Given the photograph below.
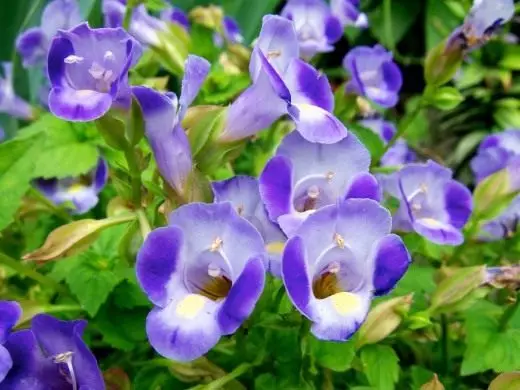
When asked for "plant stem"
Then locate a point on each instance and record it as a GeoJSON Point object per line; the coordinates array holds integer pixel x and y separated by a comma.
{"type": "Point", "coordinates": [387, 11]}
{"type": "Point", "coordinates": [221, 382]}
{"type": "Point", "coordinates": [31, 273]}
{"type": "Point", "coordinates": [143, 223]}
{"type": "Point", "coordinates": [128, 14]}
{"type": "Point", "coordinates": [135, 175]}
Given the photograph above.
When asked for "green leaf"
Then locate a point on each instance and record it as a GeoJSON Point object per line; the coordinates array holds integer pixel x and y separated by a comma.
{"type": "Point", "coordinates": [157, 378]}
{"type": "Point", "coordinates": [381, 366]}
{"type": "Point", "coordinates": [371, 140]}
{"type": "Point", "coordinates": [335, 356]}
{"type": "Point", "coordinates": [441, 20]}
{"type": "Point", "coordinates": [511, 58]}
{"type": "Point", "coordinates": [17, 164]}
{"type": "Point", "coordinates": [128, 295]}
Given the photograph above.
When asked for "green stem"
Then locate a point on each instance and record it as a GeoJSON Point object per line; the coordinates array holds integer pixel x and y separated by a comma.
{"type": "Point", "coordinates": [445, 343]}
{"type": "Point", "coordinates": [401, 131]}
{"type": "Point", "coordinates": [143, 223]}
{"type": "Point", "coordinates": [387, 11]}
{"type": "Point", "coordinates": [62, 308]}
{"type": "Point", "coordinates": [128, 14]}
{"type": "Point", "coordinates": [508, 314]}
{"type": "Point", "coordinates": [222, 381]}
{"type": "Point", "coordinates": [135, 175]}
{"type": "Point", "coordinates": [22, 269]}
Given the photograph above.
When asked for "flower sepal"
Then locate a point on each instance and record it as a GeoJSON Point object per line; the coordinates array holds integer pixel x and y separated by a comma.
{"type": "Point", "coordinates": [442, 63]}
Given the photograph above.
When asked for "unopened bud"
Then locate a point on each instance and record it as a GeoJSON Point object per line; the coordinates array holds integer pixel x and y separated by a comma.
{"type": "Point", "coordinates": [434, 384]}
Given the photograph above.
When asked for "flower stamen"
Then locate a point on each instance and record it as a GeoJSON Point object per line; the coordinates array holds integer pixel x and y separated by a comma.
{"type": "Point", "coordinates": [66, 358]}
{"type": "Point", "coordinates": [216, 245]}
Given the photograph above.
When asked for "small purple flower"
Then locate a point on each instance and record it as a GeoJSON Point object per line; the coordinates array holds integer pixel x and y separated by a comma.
{"type": "Point", "coordinates": [347, 11]}
{"type": "Point", "coordinates": [283, 84]}
{"type": "Point", "coordinates": [495, 153]}
{"type": "Point", "coordinates": [243, 193]}
{"type": "Point", "coordinates": [303, 177]}
{"type": "Point", "coordinates": [340, 258]}
{"type": "Point", "coordinates": [88, 70]}
{"type": "Point", "coordinates": [431, 203]}
{"type": "Point", "coordinates": [204, 272]}
{"type": "Point", "coordinates": [374, 75]}
{"type": "Point", "coordinates": [9, 102]}
{"type": "Point", "coordinates": [505, 225]}
{"type": "Point", "coordinates": [176, 16]}
{"type": "Point", "coordinates": [483, 20]}
{"type": "Point", "coordinates": [52, 355]}
{"type": "Point", "coordinates": [82, 192]}
{"type": "Point", "coordinates": [10, 313]}
{"type": "Point", "coordinates": [317, 28]}
{"type": "Point", "coordinates": [33, 44]}
{"type": "Point", "coordinates": [143, 27]}
{"type": "Point", "coordinates": [163, 115]}
{"type": "Point", "coordinates": [399, 154]}
{"type": "Point", "coordinates": [230, 32]}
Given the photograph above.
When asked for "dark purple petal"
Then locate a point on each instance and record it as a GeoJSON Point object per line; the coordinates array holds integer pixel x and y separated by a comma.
{"type": "Point", "coordinates": [10, 313]}
{"type": "Point", "coordinates": [242, 297]}
{"type": "Point", "coordinates": [307, 85]}
{"type": "Point", "coordinates": [391, 263]}
{"type": "Point", "coordinates": [100, 175]}
{"type": "Point", "coordinates": [438, 232]}
{"type": "Point", "coordinates": [295, 275]}
{"type": "Point", "coordinates": [364, 186]}
{"type": "Point", "coordinates": [157, 260]}
{"type": "Point", "coordinates": [32, 46]}
{"type": "Point", "coordinates": [232, 30]}
{"type": "Point", "coordinates": [176, 15]}
{"type": "Point", "coordinates": [333, 29]}
{"type": "Point", "coordinates": [459, 203]}
{"type": "Point", "coordinates": [60, 49]}
{"type": "Point", "coordinates": [275, 187]}
{"type": "Point", "coordinates": [56, 337]}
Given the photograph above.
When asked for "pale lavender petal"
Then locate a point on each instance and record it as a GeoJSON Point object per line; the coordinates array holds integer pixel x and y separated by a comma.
{"type": "Point", "coordinates": [5, 362]}
{"type": "Point", "coordinates": [438, 232]}
{"type": "Point", "coordinates": [196, 70]}
{"type": "Point", "coordinates": [78, 105]}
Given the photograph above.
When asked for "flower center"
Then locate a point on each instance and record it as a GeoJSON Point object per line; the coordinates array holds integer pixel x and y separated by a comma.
{"type": "Point", "coordinates": [326, 284]}
{"type": "Point", "coordinates": [66, 358]}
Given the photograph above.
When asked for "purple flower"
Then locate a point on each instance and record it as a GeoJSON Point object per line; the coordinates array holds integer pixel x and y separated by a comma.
{"type": "Point", "coordinates": [10, 313]}
{"type": "Point", "coordinates": [347, 11]}
{"type": "Point", "coordinates": [143, 27]}
{"type": "Point", "coordinates": [505, 225]}
{"type": "Point", "coordinates": [303, 177]}
{"type": "Point", "coordinates": [495, 153]}
{"type": "Point", "coordinates": [431, 203]}
{"type": "Point", "coordinates": [340, 258]}
{"type": "Point", "coordinates": [88, 70]}
{"type": "Point", "coordinates": [163, 115]}
{"type": "Point", "coordinates": [243, 193]}
{"type": "Point", "coordinates": [399, 154]}
{"type": "Point", "coordinates": [374, 75]}
{"type": "Point", "coordinates": [9, 102]}
{"type": "Point", "coordinates": [230, 32]}
{"type": "Point", "coordinates": [204, 272]}
{"type": "Point", "coordinates": [82, 192]}
{"type": "Point", "coordinates": [33, 44]}
{"type": "Point", "coordinates": [283, 84]}
{"type": "Point", "coordinates": [51, 355]}
{"type": "Point", "coordinates": [176, 16]}
{"type": "Point", "coordinates": [483, 20]}
{"type": "Point", "coordinates": [317, 28]}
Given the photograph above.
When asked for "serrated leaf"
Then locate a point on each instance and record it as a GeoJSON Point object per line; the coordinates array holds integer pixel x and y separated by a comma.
{"type": "Point", "coordinates": [336, 356]}
{"type": "Point", "coordinates": [381, 366]}
{"type": "Point", "coordinates": [17, 164]}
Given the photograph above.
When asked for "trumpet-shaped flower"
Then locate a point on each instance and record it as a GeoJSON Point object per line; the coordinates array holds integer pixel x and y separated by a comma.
{"type": "Point", "coordinates": [81, 192]}
{"type": "Point", "coordinates": [317, 28]}
{"type": "Point", "coordinates": [374, 75]}
{"type": "Point", "coordinates": [204, 273]}
{"type": "Point", "coordinates": [303, 177]}
{"type": "Point", "coordinates": [163, 115]}
{"type": "Point", "coordinates": [10, 313]}
{"type": "Point", "coordinates": [483, 20]}
{"type": "Point", "coordinates": [9, 102]}
{"type": "Point", "coordinates": [51, 355]}
{"type": "Point", "coordinates": [33, 44]}
{"type": "Point", "coordinates": [243, 193]}
{"type": "Point", "coordinates": [88, 70]}
{"type": "Point", "coordinates": [348, 13]}
{"type": "Point", "coordinates": [431, 202]}
{"type": "Point", "coordinates": [340, 258]}
{"type": "Point", "coordinates": [399, 154]}
{"type": "Point", "coordinates": [283, 84]}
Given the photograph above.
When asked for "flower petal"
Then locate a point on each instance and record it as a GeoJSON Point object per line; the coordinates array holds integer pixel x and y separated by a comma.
{"type": "Point", "coordinates": [78, 105]}
{"type": "Point", "coordinates": [276, 188]}
{"type": "Point", "coordinates": [317, 125]}
{"type": "Point", "coordinates": [10, 313]}
{"type": "Point", "coordinates": [157, 260]}
{"type": "Point", "coordinates": [459, 203]}
{"type": "Point", "coordinates": [364, 185]}
{"type": "Point", "coordinates": [5, 362]}
{"type": "Point", "coordinates": [196, 70]}
{"type": "Point", "coordinates": [438, 232]}
{"type": "Point", "coordinates": [391, 262]}
{"type": "Point", "coordinates": [242, 297]}
{"type": "Point", "coordinates": [31, 45]}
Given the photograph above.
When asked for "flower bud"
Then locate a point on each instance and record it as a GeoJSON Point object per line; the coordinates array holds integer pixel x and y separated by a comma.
{"type": "Point", "coordinates": [442, 62]}
{"type": "Point", "coordinates": [384, 319]}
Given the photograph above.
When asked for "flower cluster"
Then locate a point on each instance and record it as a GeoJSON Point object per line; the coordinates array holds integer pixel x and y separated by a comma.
{"type": "Point", "coordinates": [49, 355]}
